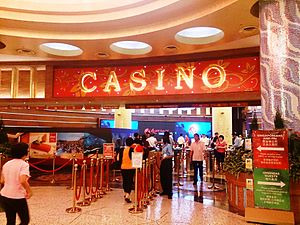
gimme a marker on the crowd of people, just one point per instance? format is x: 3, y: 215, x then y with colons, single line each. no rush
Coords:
x: 198, y: 146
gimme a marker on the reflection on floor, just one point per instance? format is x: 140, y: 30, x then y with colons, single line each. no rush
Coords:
x: 48, y: 204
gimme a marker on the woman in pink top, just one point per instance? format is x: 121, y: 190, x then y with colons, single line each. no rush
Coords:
x: 16, y: 190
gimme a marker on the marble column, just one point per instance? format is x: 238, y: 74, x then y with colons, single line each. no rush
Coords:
x: 123, y: 118
x: 222, y: 122
x: 280, y: 61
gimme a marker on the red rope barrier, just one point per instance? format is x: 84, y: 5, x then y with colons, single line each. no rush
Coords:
x: 39, y: 162
x: 88, y: 187
x: 50, y: 171
x: 77, y: 195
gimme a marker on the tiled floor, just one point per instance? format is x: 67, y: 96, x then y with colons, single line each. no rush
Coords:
x: 48, y: 205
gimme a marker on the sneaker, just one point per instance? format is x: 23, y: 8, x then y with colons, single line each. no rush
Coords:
x: 127, y: 200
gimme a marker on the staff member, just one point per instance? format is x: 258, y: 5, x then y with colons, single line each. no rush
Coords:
x: 197, y: 149
x: 126, y: 169
x: 16, y: 190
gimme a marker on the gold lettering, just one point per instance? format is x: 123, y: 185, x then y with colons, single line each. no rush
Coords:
x: 82, y: 85
x: 160, y: 76
x: 181, y: 75
x: 134, y: 77
x: 112, y: 81
x: 222, y: 74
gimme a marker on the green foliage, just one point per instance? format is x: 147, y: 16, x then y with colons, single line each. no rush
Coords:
x: 294, y: 156
x: 254, y: 123
x: 4, y: 144
x: 278, y: 121
x: 234, y: 163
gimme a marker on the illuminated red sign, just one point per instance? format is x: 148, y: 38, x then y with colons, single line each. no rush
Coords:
x: 270, y: 149
x: 215, y: 76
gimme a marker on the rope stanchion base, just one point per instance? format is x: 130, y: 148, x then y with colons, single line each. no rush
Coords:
x: 84, y: 203
x: 53, y: 181
x: 91, y: 199
x: 73, y: 210
x: 98, y: 195
x: 215, y: 188
x: 135, y: 210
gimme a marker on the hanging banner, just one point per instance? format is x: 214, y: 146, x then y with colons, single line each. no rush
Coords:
x: 271, y: 169
x: 215, y: 76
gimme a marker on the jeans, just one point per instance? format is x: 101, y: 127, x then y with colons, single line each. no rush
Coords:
x: 198, y: 165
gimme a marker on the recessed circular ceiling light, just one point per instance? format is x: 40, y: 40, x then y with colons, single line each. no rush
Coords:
x: 61, y: 49
x: 131, y: 47
x: 2, y: 45
x: 199, y: 35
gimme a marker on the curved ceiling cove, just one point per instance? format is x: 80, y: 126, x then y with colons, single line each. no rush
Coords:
x: 93, y: 25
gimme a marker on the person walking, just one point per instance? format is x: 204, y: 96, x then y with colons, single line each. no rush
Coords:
x: 126, y: 168
x: 166, y: 168
x: 197, y: 150
x: 16, y: 190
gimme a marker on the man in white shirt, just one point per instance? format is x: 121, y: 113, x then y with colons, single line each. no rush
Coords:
x: 152, y: 141
x: 197, y: 151
x: 205, y: 139
x: 180, y: 141
x: 237, y: 141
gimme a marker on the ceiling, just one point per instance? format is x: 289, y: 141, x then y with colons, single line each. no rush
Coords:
x: 93, y: 25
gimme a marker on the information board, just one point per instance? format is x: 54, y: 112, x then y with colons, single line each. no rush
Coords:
x: 108, y: 150
x: 272, y: 188
x: 271, y: 169
x: 137, y: 159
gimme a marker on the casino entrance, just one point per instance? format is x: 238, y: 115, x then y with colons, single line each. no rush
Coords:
x: 71, y: 112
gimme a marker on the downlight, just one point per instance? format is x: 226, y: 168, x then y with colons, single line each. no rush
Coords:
x: 131, y: 47
x: 199, y: 35
x: 61, y: 49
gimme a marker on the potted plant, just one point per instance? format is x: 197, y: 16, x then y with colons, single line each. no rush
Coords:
x: 236, y: 175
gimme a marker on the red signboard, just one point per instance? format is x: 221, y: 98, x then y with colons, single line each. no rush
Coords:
x: 108, y: 150
x: 270, y: 149
x: 215, y: 76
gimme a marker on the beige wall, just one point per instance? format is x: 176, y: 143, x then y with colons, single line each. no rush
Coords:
x: 222, y: 122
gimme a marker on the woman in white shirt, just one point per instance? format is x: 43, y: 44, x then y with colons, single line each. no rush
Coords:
x: 16, y: 190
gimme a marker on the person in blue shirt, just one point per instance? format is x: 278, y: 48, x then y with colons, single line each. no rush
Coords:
x: 166, y: 168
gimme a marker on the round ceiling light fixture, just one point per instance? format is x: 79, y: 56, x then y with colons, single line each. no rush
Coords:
x: 199, y: 35
x: 2, y: 45
x: 131, y: 47
x: 61, y: 49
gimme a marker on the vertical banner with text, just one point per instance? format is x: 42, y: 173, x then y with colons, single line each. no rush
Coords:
x: 271, y: 169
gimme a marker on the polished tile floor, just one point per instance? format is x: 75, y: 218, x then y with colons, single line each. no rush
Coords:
x: 48, y: 205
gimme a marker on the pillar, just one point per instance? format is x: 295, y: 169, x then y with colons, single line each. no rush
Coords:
x: 123, y: 118
x: 222, y: 122
x: 280, y: 61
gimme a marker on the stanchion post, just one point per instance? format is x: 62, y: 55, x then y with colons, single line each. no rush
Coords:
x: 84, y: 202
x: 53, y: 169
x: 214, y: 187
x: 74, y: 209
x: 101, y: 191
x: 72, y: 178
x: 135, y: 209
x: 92, y: 197
x: 107, y: 176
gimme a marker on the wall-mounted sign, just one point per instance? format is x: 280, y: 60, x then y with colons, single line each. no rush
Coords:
x: 215, y: 76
